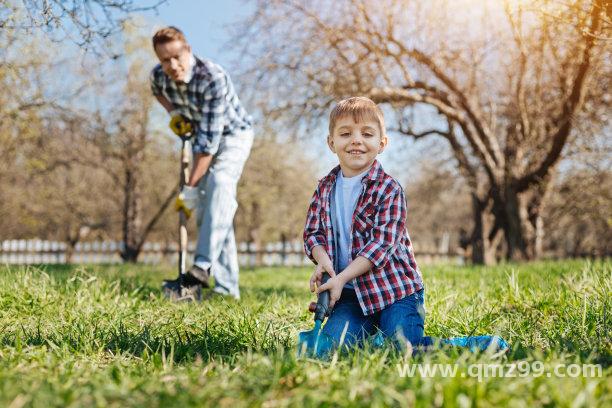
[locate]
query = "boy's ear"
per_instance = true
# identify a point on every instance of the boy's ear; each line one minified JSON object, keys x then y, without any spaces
{"x":330,"y":143}
{"x":383,"y":143}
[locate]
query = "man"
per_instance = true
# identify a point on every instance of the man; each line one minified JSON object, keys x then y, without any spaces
{"x":200,"y":97}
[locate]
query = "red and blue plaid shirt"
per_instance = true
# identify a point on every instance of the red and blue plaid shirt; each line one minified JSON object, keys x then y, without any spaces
{"x":379,"y":234}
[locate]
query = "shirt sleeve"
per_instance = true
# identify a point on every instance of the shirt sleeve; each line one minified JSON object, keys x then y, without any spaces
{"x":208,"y":135}
{"x":313,"y":230}
{"x":388,"y":229}
{"x":156,"y":88}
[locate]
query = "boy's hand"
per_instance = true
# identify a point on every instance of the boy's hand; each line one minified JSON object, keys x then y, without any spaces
{"x":334,"y":285}
{"x":317,"y":275}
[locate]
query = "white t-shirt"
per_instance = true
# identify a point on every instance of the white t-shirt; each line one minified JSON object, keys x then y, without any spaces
{"x":346,"y":195}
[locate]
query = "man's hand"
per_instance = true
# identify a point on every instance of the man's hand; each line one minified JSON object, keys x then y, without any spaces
{"x":334,"y":285}
{"x":187,"y":200}
{"x":179,"y":124}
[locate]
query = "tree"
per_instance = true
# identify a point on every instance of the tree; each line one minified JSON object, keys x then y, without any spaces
{"x":24,"y":97}
{"x":82,"y":21}
{"x":129,"y":150}
{"x":97,"y":162}
{"x":438,"y":206}
{"x":580,"y":207}
{"x":505,"y":87}
{"x":274,"y":192}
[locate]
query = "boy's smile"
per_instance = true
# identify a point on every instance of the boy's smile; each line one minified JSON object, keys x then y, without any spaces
{"x":356,"y":144}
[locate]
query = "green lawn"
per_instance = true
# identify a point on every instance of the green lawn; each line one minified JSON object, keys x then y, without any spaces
{"x":103,"y":335}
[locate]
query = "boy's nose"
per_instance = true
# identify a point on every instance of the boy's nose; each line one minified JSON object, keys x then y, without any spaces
{"x":356,"y":139}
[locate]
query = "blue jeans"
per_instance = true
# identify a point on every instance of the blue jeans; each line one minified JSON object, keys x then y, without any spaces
{"x":216,"y":247}
{"x":404,"y":319}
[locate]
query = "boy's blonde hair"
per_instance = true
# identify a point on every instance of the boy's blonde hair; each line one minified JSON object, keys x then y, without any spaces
{"x":361,"y":109}
{"x":168,"y":34}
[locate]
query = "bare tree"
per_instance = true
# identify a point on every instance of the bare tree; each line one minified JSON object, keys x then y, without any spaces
{"x":438,"y":206}
{"x":129,"y":150}
{"x":504,"y":86}
{"x":105,"y":169}
{"x":273,"y":192}
{"x":82,"y":21}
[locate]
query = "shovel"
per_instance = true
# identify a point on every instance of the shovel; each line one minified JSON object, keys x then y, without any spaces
{"x":174,"y":289}
{"x":313,"y":342}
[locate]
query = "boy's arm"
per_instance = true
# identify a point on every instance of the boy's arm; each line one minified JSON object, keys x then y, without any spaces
{"x":313,"y":230}
{"x":357,"y":267}
{"x":389,"y":227}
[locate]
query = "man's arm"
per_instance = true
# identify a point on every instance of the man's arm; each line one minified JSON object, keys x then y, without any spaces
{"x":165,"y":103}
{"x":208,"y":137}
{"x":201,"y":163}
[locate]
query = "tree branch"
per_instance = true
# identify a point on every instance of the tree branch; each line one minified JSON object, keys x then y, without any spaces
{"x":571,"y":107}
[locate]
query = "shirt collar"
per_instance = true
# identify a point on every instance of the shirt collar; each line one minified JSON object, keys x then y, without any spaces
{"x":375,"y":173}
{"x":189,"y":75}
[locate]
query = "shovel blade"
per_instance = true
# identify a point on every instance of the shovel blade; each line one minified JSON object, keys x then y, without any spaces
{"x":314,"y":343}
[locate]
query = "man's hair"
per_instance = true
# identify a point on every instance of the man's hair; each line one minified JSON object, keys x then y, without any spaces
{"x":168,"y":34}
{"x":361,"y":109}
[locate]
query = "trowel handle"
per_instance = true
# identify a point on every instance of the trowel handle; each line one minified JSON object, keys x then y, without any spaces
{"x":322,"y":308}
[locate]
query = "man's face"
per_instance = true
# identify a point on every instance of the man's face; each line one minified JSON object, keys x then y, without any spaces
{"x":174,"y":57}
{"x":356,"y":144}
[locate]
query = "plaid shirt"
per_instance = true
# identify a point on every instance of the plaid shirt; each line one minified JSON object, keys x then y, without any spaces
{"x":208,"y":100}
{"x":378,"y":233}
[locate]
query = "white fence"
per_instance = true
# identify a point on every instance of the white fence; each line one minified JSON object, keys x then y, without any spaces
{"x":53,"y":252}
{"x":37,"y":251}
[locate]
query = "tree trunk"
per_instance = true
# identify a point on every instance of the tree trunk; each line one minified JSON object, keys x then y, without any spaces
{"x":132,"y":222}
{"x":484,"y":239}
{"x":522,"y":221}
{"x":515,"y":223}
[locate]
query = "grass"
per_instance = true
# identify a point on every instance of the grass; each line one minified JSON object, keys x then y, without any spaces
{"x":104,"y":336}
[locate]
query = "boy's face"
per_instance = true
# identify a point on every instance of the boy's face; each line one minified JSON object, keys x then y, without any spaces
{"x":356,"y":144}
{"x":174,"y":57}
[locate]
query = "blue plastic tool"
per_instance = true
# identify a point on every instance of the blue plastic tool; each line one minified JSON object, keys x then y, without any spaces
{"x":313,"y":342}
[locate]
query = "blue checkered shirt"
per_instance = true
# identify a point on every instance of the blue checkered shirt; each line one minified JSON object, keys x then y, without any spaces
{"x":208,"y":100}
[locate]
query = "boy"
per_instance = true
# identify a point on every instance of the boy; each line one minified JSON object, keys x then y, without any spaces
{"x":355,"y":231}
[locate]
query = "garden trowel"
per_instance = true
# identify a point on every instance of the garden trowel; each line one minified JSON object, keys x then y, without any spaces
{"x":313,"y":342}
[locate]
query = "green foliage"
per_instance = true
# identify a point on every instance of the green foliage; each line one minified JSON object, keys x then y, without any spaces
{"x":103,"y":335}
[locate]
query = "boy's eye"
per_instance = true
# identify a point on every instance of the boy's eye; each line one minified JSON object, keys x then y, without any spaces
{"x":345,"y":134}
{"x":368,"y":134}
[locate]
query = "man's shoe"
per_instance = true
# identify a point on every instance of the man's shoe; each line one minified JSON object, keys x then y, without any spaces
{"x":174,"y":291}
{"x":197,"y":275}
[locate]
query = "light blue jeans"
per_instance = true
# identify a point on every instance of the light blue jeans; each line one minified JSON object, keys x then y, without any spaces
{"x":216,"y":247}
